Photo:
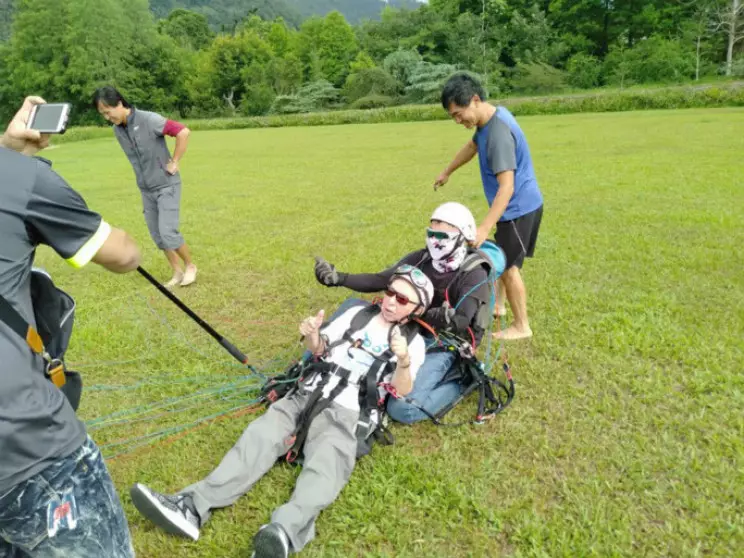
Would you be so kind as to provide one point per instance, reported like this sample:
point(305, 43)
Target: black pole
point(232, 349)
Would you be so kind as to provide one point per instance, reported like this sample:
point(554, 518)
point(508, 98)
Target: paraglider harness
point(493, 395)
point(368, 430)
point(54, 313)
point(489, 256)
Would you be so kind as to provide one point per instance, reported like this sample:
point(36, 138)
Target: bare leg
point(190, 275)
point(499, 310)
point(185, 254)
point(173, 261)
point(175, 264)
point(517, 296)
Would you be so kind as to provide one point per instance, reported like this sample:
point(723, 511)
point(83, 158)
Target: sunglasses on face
point(439, 235)
point(399, 298)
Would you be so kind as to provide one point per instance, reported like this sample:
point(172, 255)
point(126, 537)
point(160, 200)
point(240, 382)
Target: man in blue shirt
point(509, 182)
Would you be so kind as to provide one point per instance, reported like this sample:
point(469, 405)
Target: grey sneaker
point(174, 514)
point(271, 542)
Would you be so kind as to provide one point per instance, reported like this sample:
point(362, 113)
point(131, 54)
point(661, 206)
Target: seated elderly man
point(377, 346)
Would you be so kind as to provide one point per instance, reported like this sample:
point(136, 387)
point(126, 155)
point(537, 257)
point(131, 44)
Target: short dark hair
point(460, 89)
point(109, 96)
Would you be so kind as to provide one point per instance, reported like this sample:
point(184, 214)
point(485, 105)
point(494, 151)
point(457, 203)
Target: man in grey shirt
point(141, 135)
point(56, 496)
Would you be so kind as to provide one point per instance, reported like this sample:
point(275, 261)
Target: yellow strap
point(57, 375)
point(34, 341)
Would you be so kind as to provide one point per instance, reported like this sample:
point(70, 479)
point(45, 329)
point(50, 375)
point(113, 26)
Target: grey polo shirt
point(37, 424)
point(143, 142)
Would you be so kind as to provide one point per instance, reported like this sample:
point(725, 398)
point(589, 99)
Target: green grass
point(626, 435)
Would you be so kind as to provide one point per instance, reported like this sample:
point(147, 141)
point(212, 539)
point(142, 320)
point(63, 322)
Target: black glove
point(440, 317)
point(326, 273)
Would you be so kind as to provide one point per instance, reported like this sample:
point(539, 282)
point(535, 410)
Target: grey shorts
point(162, 209)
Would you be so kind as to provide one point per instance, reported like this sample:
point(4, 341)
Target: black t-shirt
point(37, 424)
point(473, 286)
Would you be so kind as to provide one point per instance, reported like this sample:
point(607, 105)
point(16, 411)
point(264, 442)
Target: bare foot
point(512, 333)
point(175, 280)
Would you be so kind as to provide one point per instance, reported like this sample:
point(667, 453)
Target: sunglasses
point(439, 235)
point(399, 298)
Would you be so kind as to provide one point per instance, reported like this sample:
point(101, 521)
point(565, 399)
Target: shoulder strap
point(474, 259)
point(358, 323)
point(425, 257)
point(11, 318)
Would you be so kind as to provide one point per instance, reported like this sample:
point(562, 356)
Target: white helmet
point(458, 216)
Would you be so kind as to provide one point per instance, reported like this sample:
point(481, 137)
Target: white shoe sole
point(166, 519)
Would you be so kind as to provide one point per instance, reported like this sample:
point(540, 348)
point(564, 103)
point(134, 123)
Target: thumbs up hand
point(398, 344)
point(326, 273)
point(310, 326)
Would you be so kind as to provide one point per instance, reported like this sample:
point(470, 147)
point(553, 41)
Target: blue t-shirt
point(502, 146)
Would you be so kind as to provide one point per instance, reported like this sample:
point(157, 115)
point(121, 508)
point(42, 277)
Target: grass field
point(626, 437)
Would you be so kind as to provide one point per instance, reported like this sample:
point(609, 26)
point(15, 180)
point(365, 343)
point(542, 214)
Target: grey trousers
point(162, 210)
point(330, 456)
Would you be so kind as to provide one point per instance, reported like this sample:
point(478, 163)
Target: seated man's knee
point(403, 412)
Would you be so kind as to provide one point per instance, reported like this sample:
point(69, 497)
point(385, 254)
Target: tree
point(285, 74)
point(36, 52)
point(584, 70)
point(401, 64)
point(655, 59)
point(318, 95)
point(538, 78)
point(424, 30)
point(327, 47)
point(230, 59)
point(427, 80)
point(370, 81)
point(618, 67)
point(697, 28)
point(6, 17)
point(281, 39)
point(188, 29)
point(729, 19)
point(96, 54)
point(361, 62)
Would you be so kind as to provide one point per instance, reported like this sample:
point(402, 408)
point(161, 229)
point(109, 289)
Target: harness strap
point(497, 399)
point(313, 408)
point(55, 368)
point(11, 318)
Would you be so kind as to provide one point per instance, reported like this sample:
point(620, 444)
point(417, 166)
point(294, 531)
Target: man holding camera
point(56, 495)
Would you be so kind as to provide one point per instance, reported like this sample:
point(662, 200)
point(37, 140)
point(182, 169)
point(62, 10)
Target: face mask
point(447, 249)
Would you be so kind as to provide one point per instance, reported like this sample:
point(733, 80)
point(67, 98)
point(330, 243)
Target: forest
point(200, 58)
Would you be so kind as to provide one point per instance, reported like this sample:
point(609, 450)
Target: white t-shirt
point(358, 361)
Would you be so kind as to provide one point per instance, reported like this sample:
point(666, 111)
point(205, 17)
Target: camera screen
point(47, 117)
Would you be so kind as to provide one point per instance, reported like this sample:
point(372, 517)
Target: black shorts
point(518, 237)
